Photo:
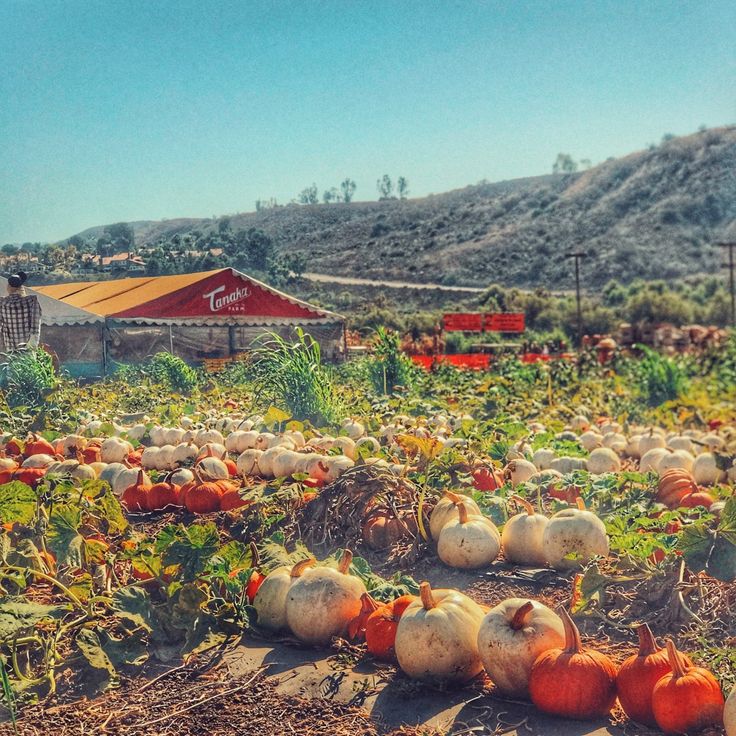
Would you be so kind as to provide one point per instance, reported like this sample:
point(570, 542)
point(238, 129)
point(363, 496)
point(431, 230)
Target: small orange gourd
point(638, 675)
point(380, 628)
point(688, 698)
point(674, 484)
point(573, 682)
point(356, 627)
point(135, 498)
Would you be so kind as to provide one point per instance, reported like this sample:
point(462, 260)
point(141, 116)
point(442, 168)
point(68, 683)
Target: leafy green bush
point(169, 370)
point(291, 376)
point(389, 367)
point(27, 377)
point(659, 378)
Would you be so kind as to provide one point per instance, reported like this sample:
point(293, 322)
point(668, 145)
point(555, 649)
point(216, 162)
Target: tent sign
point(219, 301)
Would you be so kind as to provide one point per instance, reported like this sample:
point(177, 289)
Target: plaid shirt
point(20, 320)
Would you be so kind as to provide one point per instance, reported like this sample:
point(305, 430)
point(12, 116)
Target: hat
point(17, 279)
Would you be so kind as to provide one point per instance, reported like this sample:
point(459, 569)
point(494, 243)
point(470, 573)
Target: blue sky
point(116, 110)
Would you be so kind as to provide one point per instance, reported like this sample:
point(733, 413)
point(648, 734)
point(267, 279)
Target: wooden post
point(577, 256)
point(730, 267)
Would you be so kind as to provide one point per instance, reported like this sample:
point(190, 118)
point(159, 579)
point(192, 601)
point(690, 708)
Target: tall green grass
point(27, 377)
point(291, 375)
point(658, 377)
point(389, 367)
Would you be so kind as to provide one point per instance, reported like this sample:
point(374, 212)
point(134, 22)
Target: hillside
point(652, 214)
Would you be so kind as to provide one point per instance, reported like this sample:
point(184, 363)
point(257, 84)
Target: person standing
point(20, 316)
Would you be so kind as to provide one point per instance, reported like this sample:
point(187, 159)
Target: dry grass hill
point(655, 213)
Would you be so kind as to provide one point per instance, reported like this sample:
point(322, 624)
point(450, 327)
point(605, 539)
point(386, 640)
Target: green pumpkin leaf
point(17, 503)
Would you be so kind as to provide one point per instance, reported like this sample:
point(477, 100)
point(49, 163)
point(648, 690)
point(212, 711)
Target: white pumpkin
point(39, 461)
point(519, 471)
point(127, 477)
point(468, 542)
point(729, 714)
point(567, 464)
point(511, 636)
point(71, 443)
point(270, 600)
point(263, 441)
point(522, 538)
point(705, 470)
point(181, 476)
point(650, 459)
point(284, 464)
point(354, 430)
point(372, 442)
point(573, 537)
point(446, 511)
point(247, 462)
point(346, 446)
point(137, 432)
point(651, 441)
point(322, 601)
point(205, 436)
point(543, 458)
point(603, 460)
point(680, 459)
point(615, 441)
point(115, 450)
point(632, 446)
point(165, 457)
point(712, 442)
point(173, 435)
point(329, 469)
point(680, 442)
point(590, 440)
point(186, 452)
point(437, 636)
point(212, 468)
point(580, 423)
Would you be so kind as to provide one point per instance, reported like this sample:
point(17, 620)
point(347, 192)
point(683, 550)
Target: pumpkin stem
point(580, 503)
point(369, 604)
point(573, 643)
point(139, 482)
point(454, 497)
point(517, 622)
point(255, 558)
point(298, 570)
point(345, 561)
point(524, 504)
point(425, 593)
point(462, 513)
point(647, 643)
point(676, 663)
point(197, 476)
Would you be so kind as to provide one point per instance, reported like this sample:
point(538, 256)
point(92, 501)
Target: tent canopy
point(212, 297)
point(55, 311)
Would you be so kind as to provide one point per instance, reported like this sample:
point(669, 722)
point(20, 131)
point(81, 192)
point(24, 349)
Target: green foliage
point(389, 367)
point(172, 372)
point(659, 378)
point(291, 376)
point(27, 377)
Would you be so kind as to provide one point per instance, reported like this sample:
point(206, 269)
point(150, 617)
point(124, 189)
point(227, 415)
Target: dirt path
point(349, 280)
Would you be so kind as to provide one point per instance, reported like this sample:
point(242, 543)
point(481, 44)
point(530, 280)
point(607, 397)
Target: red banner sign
point(463, 322)
point(475, 322)
point(505, 322)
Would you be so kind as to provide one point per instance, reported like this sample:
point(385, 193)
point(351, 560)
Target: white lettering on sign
point(220, 302)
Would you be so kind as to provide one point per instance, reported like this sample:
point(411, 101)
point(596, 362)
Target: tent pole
point(104, 348)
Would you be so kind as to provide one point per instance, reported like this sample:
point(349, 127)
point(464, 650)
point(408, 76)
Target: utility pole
point(578, 256)
point(730, 267)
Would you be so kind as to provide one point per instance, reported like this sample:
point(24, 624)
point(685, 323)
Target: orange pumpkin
point(383, 529)
point(203, 497)
point(232, 500)
point(699, 498)
point(14, 447)
point(569, 494)
point(674, 484)
point(91, 454)
point(688, 698)
point(163, 495)
point(638, 675)
point(38, 446)
point(380, 628)
point(356, 626)
point(135, 498)
point(486, 478)
point(29, 476)
point(573, 682)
